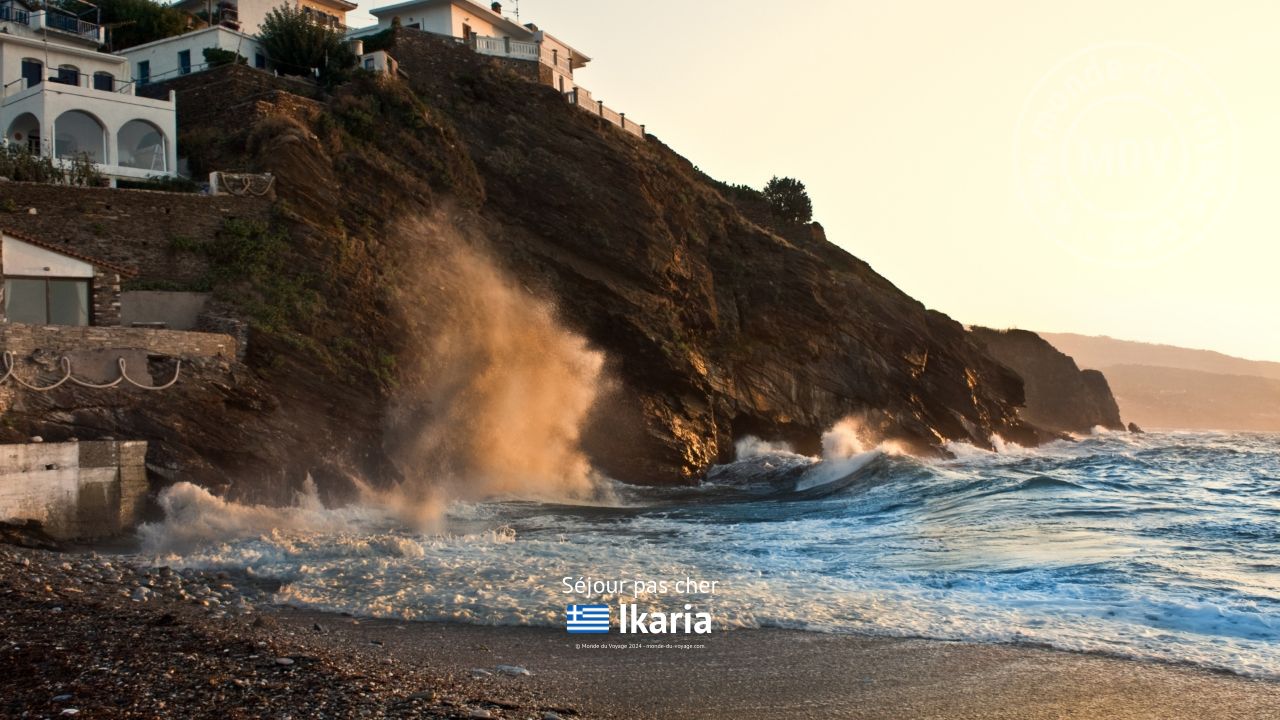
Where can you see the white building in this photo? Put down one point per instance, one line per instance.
(172, 57)
(62, 97)
(488, 32)
(247, 15)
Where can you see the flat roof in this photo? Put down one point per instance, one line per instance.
(474, 7)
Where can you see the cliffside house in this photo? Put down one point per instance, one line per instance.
(61, 97)
(247, 15)
(233, 26)
(488, 32)
(45, 284)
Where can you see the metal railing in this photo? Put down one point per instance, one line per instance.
(9, 13)
(58, 20)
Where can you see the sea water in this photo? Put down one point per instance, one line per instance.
(1160, 546)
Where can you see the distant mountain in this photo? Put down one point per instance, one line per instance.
(1163, 386)
(1102, 352)
(1160, 397)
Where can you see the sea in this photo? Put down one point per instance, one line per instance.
(1161, 546)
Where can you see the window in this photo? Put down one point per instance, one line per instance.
(369, 64)
(144, 72)
(260, 61)
(47, 301)
(68, 75)
(32, 71)
(104, 81)
(184, 62)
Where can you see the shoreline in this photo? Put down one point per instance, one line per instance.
(75, 637)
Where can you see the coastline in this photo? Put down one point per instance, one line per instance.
(76, 638)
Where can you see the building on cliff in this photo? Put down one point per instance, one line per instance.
(488, 32)
(247, 15)
(48, 285)
(60, 97)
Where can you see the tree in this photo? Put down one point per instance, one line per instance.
(134, 22)
(296, 45)
(789, 200)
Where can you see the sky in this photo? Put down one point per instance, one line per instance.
(1095, 167)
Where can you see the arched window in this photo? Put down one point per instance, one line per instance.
(76, 132)
(24, 131)
(139, 144)
(68, 75)
(104, 81)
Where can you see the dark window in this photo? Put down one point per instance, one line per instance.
(47, 301)
(369, 64)
(184, 62)
(259, 60)
(144, 72)
(104, 81)
(68, 75)
(32, 72)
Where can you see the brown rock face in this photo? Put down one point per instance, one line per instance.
(1060, 396)
(715, 322)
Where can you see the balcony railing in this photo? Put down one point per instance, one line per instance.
(9, 13)
(57, 20)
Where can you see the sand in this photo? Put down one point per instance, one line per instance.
(74, 636)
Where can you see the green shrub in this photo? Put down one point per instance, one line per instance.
(789, 200)
(217, 57)
(297, 46)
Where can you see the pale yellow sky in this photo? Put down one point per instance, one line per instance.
(1094, 167)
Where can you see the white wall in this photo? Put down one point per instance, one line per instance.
(14, 48)
(163, 54)
(20, 258)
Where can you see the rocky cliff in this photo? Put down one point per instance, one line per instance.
(1060, 396)
(712, 321)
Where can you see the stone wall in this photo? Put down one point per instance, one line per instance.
(75, 490)
(211, 93)
(141, 229)
(106, 298)
(24, 340)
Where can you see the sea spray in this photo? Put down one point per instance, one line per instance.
(494, 390)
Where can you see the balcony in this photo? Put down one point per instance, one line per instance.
(11, 13)
(65, 22)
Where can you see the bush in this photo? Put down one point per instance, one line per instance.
(298, 46)
(788, 200)
(217, 57)
(19, 163)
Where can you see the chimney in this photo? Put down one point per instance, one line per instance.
(497, 7)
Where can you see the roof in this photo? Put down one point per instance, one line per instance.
(489, 15)
(186, 36)
(62, 250)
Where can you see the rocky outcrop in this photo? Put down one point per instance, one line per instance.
(715, 321)
(1059, 395)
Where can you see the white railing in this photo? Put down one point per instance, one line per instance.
(581, 97)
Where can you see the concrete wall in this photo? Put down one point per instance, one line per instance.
(177, 310)
(76, 490)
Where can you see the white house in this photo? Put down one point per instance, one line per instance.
(247, 15)
(62, 97)
(489, 32)
(171, 57)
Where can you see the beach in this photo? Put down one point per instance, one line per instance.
(78, 635)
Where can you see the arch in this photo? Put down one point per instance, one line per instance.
(75, 132)
(24, 131)
(141, 144)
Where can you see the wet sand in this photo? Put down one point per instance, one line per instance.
(74, 635)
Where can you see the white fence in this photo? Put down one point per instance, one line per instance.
(582, 98)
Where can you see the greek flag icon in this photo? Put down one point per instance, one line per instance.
(587, 619)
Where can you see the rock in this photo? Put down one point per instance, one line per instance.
(512, 670)
(69, 711)
(480, 672)
(480, 713)
(284, 661)
(1060, 397)
(61, 698)
(551, 716)
(1133, 428)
